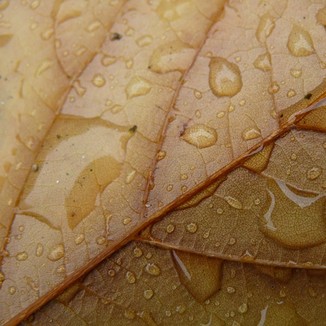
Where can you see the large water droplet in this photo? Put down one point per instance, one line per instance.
(300, 43)
(137, 86)
(21, 256)
(251, 133)
(130, 277)
(57, 252)
(201, 275)
(263, 62)
(265, 27)
(224, 77)
(200, 136)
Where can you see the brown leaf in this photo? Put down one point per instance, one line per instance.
(171, 98)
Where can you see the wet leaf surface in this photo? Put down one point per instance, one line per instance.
(115, 113)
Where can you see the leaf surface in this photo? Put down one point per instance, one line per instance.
(172, 98)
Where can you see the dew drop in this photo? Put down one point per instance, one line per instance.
(137, 86)
(224, 77)
(108, 60)
(198, 94)
(130, 176)
(39, 250)
(129, 63)
(152, 269)
(126, 221)
(100, 240)
(233, 202)
(56, 253)
(44, 66)
(111, 272)
(232, 241)
(220, 114)
(296, 73)
(21, 256)
(230, 289)
(47, 34)
(314, 173)
(130, 277)
(170, 228)
(265, 27)
(273, 88)
(300, 43)
(263, 62)
(79, 239)
(148, 294)
(160, 155)
(138, 252)
(92, 27)
(192, 227)
(130, 314)
(251, 133)
(144, 40)
(200, 136)
(98, 80)
(12, 290)
(291, 93)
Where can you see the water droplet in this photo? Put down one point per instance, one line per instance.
(291, 93)
(138, 252)
(137, 86)
(198, 94)
(314, 173)
(39, 250)
(130, 314)
(100, 240)
(296, 73)
(152, 269)
(129, 63)
(251, 133)
(233, 202)
(144, 40)
(78, 88)
(79, 239)
(184, 176)
(44, 66)
(130, 277)
(98, 80)
(273, 88)
(300, 43)
(108, 60)
(21, 256)
(173, 56)
(160, 155)
(263, 62)
(321, 16)
(200, 136)
(126, 221)
(293, 156)
(230, 289)
(192, 227)
(130, 176)
(34, 4)
(220, 114)
(224, 77)
(12, 290)
(92, 27)
(180, 309)
(201, 275)
(111, 272)
(232, 241)
(56, 253)
(170, 228)
(265, 27)
(61, 269)
(47, 34)
(80, 51)
(219, 211)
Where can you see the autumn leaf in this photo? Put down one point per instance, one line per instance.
(131, 109)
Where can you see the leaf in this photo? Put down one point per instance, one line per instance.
(170, 100)
(141, 285)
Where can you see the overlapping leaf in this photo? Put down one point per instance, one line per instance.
(176, 97)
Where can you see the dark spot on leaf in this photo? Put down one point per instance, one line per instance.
(308, 96)
(116, 37)
(133, 129)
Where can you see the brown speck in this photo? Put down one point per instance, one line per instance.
(308, 96)
(116, 37)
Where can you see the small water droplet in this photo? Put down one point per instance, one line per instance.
(233, 202)
(126, 221)
(129, 63)
(170, 228)
(184, 176)
(56, 253)
(300, 43)
(263, 62)
(314, 173)
(44, 66)
(230, 289)
(12, 290)
(200, 136)
(130, 176)
(108, 60)
(232, 241)
(130, 314)
(152, 269)
(21, 256)
(160, 155)
(251, 133)
(111, 272)
(296, 73)
(220, 114)
(224, 77)
(265, 27)
(291, 93)
(192, 227)
(100, 240)
(98, 80)
(144, 40)
(293, 156)
(92, 27)
(47, 34)
(39, 250)
(273, 88)
(219, 211)
(79, 239)
(169, 187)
(137, 86)
(138, 252)
(130, 277)
(198, 94)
